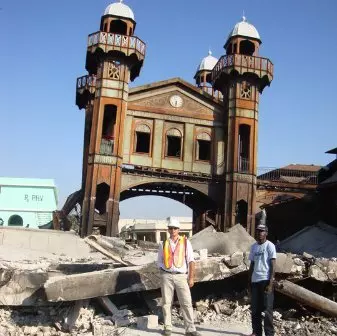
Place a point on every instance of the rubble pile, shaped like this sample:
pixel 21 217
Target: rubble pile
pixel 45 290
pixel 54 321
pixel 231 312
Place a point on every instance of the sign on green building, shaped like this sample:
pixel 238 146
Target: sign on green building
pixel 27 202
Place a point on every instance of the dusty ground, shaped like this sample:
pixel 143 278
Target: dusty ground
pixel 207 330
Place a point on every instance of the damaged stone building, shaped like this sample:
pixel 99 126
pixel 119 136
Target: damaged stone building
pixel 306 203
pixel 194 143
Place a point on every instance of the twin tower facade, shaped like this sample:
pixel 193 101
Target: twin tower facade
pixel 196 144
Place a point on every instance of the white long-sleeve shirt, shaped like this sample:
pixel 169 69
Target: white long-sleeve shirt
pixel 188 258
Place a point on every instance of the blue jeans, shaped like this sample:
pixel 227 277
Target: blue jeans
pixel 262 302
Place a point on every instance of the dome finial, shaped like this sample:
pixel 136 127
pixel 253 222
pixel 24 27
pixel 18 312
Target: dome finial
pixel 209 51
pixel 244 19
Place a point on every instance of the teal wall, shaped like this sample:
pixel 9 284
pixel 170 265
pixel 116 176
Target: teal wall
pixel 33 200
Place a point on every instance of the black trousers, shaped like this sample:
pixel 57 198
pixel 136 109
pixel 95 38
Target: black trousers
pixel 262 302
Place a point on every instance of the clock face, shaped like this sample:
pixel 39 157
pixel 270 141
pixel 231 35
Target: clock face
pixel 176 101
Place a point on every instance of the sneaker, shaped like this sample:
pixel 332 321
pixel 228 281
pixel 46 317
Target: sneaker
pixel 192 333
pixel 167 332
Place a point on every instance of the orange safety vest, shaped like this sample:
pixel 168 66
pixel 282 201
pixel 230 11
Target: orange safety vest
pixel 177 257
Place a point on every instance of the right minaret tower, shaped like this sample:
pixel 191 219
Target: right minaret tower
pixel 241 75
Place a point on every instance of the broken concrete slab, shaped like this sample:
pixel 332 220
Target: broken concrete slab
pixel 21 287
pixel 17 244
pixel 126 279
pixel 236 239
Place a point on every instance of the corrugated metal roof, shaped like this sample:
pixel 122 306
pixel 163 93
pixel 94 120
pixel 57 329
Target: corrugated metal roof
pixel 320 240
pixel 302 167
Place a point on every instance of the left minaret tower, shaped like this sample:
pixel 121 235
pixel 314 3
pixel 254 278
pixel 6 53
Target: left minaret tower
pixel 114 58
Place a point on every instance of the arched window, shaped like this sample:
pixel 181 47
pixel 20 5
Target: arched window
pixel 173 143
pixel 102 196
pixel 118 27
pixel 244 144
pixel 142 138
pixel 15 220
pixel 203 148
pixel 247 48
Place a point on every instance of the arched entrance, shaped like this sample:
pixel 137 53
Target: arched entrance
pixel 15 220
pixel 202 206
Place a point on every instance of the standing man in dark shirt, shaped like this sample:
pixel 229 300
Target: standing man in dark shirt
pixel 261 277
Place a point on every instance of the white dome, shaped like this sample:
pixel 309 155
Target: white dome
pixel 119 9
pixel 208 63
pixel 245 29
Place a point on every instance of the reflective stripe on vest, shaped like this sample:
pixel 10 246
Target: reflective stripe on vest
pixel 177 257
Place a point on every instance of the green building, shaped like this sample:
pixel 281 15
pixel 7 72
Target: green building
pixel 27 202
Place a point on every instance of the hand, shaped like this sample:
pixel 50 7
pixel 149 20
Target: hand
pixel 249 289
pixel 190 282
pixel 269 288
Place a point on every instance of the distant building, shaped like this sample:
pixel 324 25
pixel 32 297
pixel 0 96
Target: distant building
pixel 284 184
pixel 152 230
pixel 27 202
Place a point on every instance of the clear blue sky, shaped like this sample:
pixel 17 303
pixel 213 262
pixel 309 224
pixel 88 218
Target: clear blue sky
pixel 43 52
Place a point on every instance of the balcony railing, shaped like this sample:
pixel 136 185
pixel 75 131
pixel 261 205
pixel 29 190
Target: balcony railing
pixel 287 175
pixel 243 165
pixel 107 146
pixel 86 81
pixel 252 63
pixel 117 40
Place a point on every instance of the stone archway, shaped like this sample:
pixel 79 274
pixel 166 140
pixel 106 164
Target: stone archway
pixel 201 204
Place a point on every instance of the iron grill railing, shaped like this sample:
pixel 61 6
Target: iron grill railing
pixel 107 146
pixel 249 62
pixel 243 165
pixel 117 40
pixel 287 175
pixel 86 81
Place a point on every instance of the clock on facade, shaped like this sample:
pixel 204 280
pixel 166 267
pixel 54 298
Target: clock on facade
pixel 176 101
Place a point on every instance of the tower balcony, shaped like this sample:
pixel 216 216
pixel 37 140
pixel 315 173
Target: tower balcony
pixel 85 90
pixel 228 65
pixel 131 47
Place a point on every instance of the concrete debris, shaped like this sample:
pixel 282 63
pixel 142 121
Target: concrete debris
pixel 203 254
pixel 147 322
pixel 236 239
pixel 126 280
pixel 100 266
pixel 93 243
pixel 316 273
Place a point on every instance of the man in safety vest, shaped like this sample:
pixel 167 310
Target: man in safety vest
pixel 176 264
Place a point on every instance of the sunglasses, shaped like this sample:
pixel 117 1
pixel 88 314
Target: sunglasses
pixel 173 228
